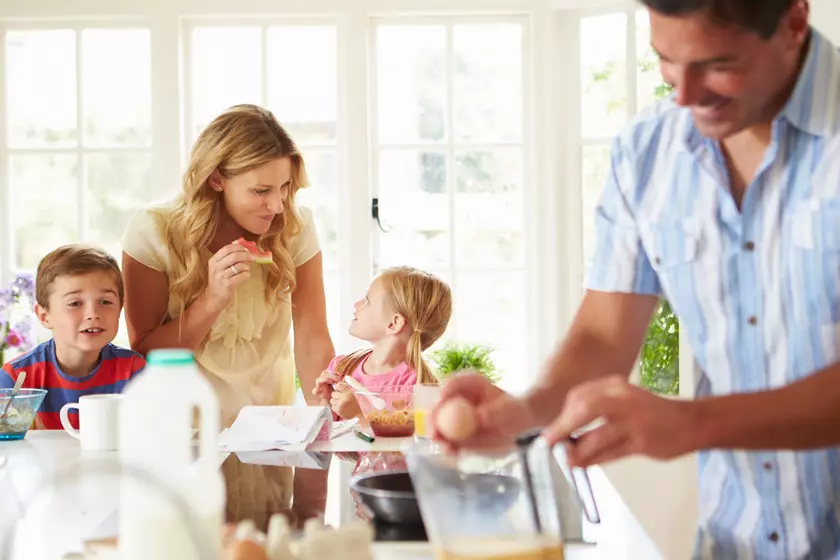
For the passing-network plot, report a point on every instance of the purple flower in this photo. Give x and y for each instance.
(13, 340)
(7, 300)
(24, 286)
(24, 334)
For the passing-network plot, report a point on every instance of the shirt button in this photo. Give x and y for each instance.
(752, 320)
(658, 260)
(749, 246)
(768, 466)
(774, 537)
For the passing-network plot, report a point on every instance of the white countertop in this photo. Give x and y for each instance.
(79, 511)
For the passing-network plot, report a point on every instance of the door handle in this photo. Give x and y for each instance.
(374, 213)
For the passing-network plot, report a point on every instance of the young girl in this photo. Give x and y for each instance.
(403, 313)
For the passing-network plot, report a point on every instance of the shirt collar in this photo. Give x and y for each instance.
(812, 106)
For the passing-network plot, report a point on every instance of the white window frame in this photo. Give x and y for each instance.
(8, 267)
(569, 15)
(449, 146)
(548, 307)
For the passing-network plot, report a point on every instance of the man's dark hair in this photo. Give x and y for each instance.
(759, 16)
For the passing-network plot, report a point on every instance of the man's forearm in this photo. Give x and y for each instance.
(579, 359)
(803, 415)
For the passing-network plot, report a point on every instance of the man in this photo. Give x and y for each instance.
(726, 201)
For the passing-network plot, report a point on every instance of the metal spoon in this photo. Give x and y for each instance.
(21, 378)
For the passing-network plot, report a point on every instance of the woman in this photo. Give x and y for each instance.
(190, 284)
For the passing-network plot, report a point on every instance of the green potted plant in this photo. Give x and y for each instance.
(453, 357)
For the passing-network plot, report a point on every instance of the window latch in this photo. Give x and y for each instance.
(374, 213)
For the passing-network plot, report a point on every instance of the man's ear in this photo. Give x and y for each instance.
(215, 181)
(397, 324)
(43, 315)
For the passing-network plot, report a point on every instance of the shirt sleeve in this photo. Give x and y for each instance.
(305, 244)
(137, 365)
(6, 379)
(620, 264)
(143, 241)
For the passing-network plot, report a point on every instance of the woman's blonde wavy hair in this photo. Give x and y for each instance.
(238, 140)
(425, 302)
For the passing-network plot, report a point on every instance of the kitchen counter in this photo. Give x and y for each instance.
(86, 507)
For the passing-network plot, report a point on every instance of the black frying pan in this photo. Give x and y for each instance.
(390, 495)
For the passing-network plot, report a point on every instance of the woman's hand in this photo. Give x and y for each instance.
(226, 270)
(343, 402)
(324, 386)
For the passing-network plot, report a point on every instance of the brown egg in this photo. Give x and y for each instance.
(245, 550)
(455, 419)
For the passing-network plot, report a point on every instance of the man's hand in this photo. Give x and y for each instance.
(343, 402)
(500, 417)
(635, 421)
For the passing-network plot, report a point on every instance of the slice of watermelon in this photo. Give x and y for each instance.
(261, 257)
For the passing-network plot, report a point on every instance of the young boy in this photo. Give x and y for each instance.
(79, 294)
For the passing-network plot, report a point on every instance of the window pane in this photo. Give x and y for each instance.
(332, 289)
(117, 186)
(650, 85)
(487, 82)
(226, 70)
(491, 311)
(116, 87)
(488, 208)
(595, 165)
(322, 198)
(41, 88)
(415, 208)
(44, 195)
(603, 74)
(303, 81)
(411, 83)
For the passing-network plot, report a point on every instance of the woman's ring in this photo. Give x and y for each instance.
(233, 268)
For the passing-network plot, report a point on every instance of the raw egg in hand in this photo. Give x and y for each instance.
(456, 419)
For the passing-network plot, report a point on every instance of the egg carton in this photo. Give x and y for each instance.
(351, 541)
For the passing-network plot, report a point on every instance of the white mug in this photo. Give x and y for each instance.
(98, 421)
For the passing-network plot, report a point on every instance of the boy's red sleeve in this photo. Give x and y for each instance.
(137, 365)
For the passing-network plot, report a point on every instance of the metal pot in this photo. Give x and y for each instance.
(389, 496)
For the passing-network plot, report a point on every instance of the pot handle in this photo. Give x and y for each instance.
(577, 477)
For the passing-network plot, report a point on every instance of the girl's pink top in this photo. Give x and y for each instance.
(401, 376)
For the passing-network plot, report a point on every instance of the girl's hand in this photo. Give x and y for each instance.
(226, 270)
(324, 386)
(343, 402)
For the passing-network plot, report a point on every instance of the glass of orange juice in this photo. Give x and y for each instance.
(425, 399)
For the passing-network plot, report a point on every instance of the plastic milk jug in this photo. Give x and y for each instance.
(171, 502)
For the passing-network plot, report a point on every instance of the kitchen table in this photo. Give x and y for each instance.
(85, 508)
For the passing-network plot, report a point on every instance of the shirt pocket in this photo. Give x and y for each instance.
(672, 244)
(814, 266)
(673, 248)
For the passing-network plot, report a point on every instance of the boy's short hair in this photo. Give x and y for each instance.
(74, 260)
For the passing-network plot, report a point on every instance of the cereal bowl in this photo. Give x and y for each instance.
(396, 419)
(21, 412)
